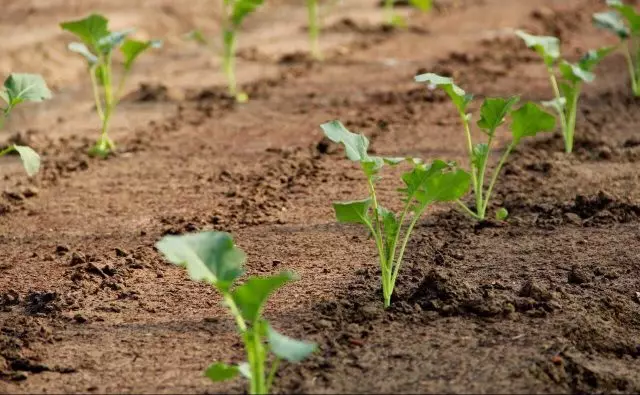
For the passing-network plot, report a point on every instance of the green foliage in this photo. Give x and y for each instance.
(213, 257)
(623, 21)
(571, 77)
(96, 46)
(396, 20)
(424, 184)
(528, 120)
(19, 88)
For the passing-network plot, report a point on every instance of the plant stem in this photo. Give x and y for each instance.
(314, 29)
(571, 121)
(272, 374)
(377, 234)
(561, 113)
(96, 93)
(632, 71)
(496, 172)
(5, 151)
(474, 176)
(480, 198)
(407, 236)
(388, 10)
(467, 209)
(229, 60)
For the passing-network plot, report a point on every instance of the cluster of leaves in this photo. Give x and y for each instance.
(571, 76)
(96, 46)
(424, 184)
(20, 88)
(394, 19)
(526, 121)
(624, 21)
(212, 257)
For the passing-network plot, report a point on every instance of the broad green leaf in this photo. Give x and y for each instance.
(459, 97)
(502, 214)
(416, 178)
(30, 159)
(529, 120)
(547, 47)
(611, 21)
(19, 88)
(575, 73)
(252, 295)
(493, 112)
(629, 13)
(372, 165)
(479, 155)
(207, 256)
(355, 145)
(82, 49)
(422, 5)
(131, 49)
(90, 29)
(445, 187)
(591, 59)
(242, 8)
(245, 369)
(355, 212)
(289, 349)
(221, 372)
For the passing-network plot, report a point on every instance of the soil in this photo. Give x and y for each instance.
(546, 302)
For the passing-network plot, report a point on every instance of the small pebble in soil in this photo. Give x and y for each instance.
(578, 276)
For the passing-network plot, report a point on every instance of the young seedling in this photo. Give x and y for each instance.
(19, 88)
(424, 184)
(394, 19)
(97, 46)
(571, 75)
(528, 120)
(314, 28)
(212, 257)
(629, 34)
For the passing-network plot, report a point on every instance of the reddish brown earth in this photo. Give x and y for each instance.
(547, 302)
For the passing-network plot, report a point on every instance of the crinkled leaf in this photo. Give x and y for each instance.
(82, 49)
(493, 112)
(575, 73)
(221, 372)
(131, 49)
(207, 256)
(479, 155)
(611, 21)
(422, 5)
(90, 29)
(19, 88)
(548, 47)
(251, 296)
(287, 348)
(459, 97)
(355, 145)
(242, 8)
(112, 40)
(591, 59)
(629, 13)
(354, 212)
(529, 120)
(30, 159)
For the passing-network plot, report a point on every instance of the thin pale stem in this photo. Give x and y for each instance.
(474, 175)
(314, 28)
(407, 236)
(388, 10)
(229, 60)
(632, 71)
(96, 93)
(480, 198)
(556, 92)
(496, 173)
(571, 121)
(467, 209)
(272, 374)
(5, 151)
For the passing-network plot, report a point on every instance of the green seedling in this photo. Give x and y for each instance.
(424, 184)
(97, 46)
(394, 19)
(235, 12)
(20, 88)
(571, 76)
(314, 28)
(212, 257)
(526, 121)
(629, 34)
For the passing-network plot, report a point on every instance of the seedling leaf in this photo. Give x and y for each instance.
(529, 120)
(611, 21)
(19, 88)
(251, 296)
(355, 212)
(446, 187)
(112, 40)
(287, 348)
(242, 8)
(422, 5)
(479, 155)
(245, 369)
(90, 29)
(221, 372)
(493, 112)
(82, 49)
(459, 97)
(355, 145)
(591, 59)
(30, 159)
(207, 256)
(131, 49)
(629, 13)
(556, 104)
(574, 73)
(547, 47)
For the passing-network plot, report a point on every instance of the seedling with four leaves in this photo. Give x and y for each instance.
(624, 21)
(526, 121)
(212, 257)
(20, 88)
(394, 19)
(97, 46)
(573, 75)
(424, 184)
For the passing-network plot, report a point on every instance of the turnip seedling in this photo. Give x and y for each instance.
(395, 19)
(573, 75)
(97, 48)
(212, 257)
(19, 88)
(424, 184)
(528, 120)
(629, 35)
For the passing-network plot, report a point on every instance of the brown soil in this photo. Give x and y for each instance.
(546, 302)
